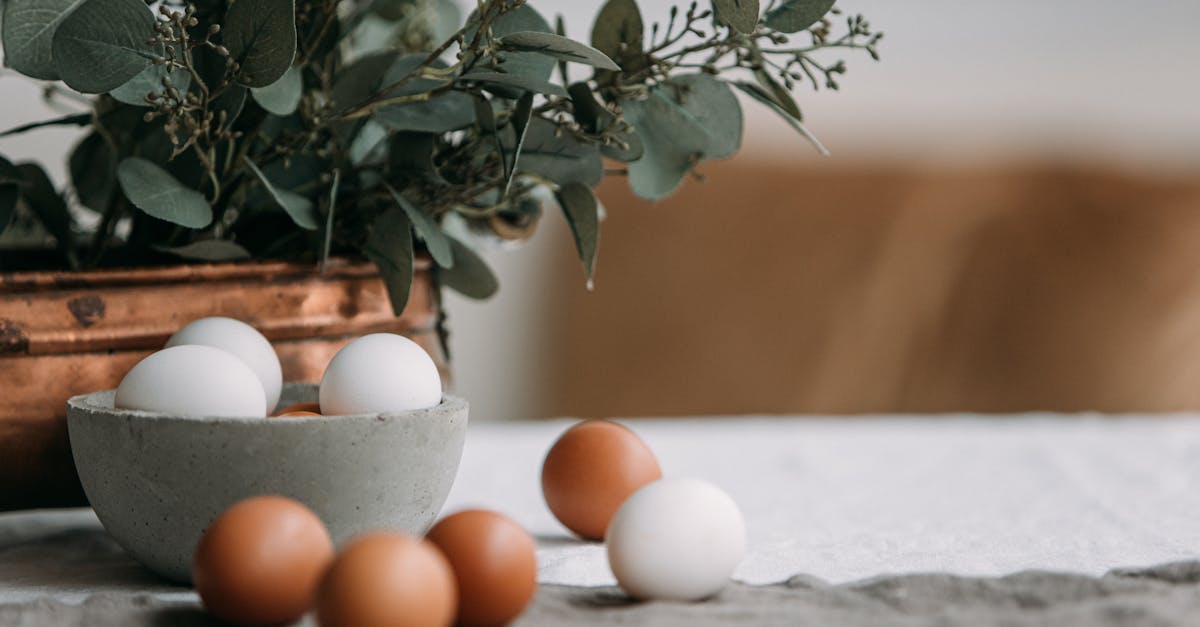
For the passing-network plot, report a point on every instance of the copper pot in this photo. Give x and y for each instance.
(67, 333)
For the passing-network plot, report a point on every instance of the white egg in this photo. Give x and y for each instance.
(381, 372)
(245, 342)
(676, 539)
(192, 380)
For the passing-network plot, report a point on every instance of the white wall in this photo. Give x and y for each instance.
(1093, 80)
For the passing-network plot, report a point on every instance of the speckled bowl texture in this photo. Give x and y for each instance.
(157, 481)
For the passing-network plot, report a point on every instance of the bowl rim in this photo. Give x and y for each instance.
(101, 403)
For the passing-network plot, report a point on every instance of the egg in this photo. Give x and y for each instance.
(592, 468)
(388, 580)
(311, 408)
(676, 539)
(260, 561)
(244, 342)
(192, 380)
(495, 564)
(381, 372)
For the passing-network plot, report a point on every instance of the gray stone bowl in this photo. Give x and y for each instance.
(157, 481)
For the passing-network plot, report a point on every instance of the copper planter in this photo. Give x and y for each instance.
(67, 333)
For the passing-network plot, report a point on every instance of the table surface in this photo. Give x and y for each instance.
(840, 499)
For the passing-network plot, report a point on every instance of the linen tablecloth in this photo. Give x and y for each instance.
(836, 499)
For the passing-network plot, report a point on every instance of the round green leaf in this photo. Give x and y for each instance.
(149, 80)
(102, 44)
(470, 275)
(153, 190)
(618, 22)
(793, 16)
(283, 96)
(562, 158)
(261, 37)
(742, 15)
(712, 105)
(28, 35)
(93, 169)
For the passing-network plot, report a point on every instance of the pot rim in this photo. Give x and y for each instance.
(99, 405)
(336, 267)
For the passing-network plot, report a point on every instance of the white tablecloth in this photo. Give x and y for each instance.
(838, 498)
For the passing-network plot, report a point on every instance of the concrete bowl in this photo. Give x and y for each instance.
(157, 481)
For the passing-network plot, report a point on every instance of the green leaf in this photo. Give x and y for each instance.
(230, 102)
(778, 93)
(521, 116)
(153, 190)
(742, 15)
(283, 96)
(261, 37)
(28, 33)
(427, 228)
(410, 155)
(149, 80)
(579, 204)
(10, 181)
(756, 92)
(793, 16)
(389, 244)
(618, 22)
(208, 250)
(559, 158)
(103, 43)
(300, 209)
(521, 82)
(682, 121)
(588, 112)
(631, 151)
(557, 47)
(533, 66)
(470, 275)
(93, 169)
(440, 114)
(327, 245)
(712, 104)
(73, 119)
(50, 208)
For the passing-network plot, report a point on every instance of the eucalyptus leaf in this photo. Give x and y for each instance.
(618, 31)
(230, 102)
(441, 113)
(93, 169)
(588, 112)
(533, 66)
(410, 155)
(10, 181)
(28, 32)
(389, 244)
(778, 93)
(521, 117)
(367, 143)
(557, 47)
(742, 15)
(682, 121)
(558, 158)
(133, 92)
(793, 16)
(470, 275)
(712, 105)
(153, 190)
(261, 38)
(673, 144)
(632, 150)
(579, 205)
(521, 82)
(300, 209)
(103, 44)
(756, 92)
(356, 83)
(283, 96)
(427, 228)
(208, 250)
(49, 207)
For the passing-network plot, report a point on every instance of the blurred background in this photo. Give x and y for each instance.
(1010, 220)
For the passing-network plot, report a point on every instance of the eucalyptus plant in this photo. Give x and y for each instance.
(232, 129)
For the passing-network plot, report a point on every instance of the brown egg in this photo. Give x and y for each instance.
(296, 414)
(311, 408)
(388, 580)
(260, 561)
(591, 470)
(495, 564)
